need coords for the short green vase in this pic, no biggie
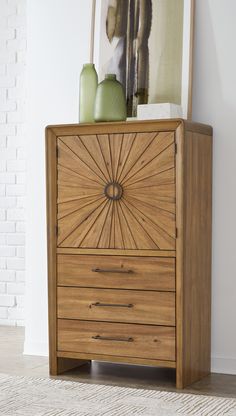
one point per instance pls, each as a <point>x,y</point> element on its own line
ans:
<point>88,89</point>
<point>110,103</point>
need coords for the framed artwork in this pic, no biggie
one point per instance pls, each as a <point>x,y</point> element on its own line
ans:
<point>148,45</point>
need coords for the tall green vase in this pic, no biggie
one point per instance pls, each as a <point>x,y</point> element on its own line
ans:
<point>110,103</point>
<point>88,89</point>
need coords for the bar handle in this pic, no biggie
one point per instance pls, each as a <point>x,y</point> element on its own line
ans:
<point>126,271</point>
<point>113,305</point>
<point>100,338</point>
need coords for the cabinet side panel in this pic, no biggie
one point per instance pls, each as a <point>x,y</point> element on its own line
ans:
<point>179,137</point>
<point>51,182</point>
<point>197,256</point>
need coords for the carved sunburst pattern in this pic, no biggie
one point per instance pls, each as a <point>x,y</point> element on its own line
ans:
<point>117,191</point>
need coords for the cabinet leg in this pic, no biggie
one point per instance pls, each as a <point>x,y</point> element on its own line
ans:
<point>179,384</point>
<point>179,378</point>
<point>60,365</point>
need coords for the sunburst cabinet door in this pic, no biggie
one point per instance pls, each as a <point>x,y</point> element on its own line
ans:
<point>117,191</point>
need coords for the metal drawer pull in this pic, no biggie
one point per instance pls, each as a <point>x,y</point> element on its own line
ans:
<point>130,339</point>
<point>113,305</point>
<point>97,270</point>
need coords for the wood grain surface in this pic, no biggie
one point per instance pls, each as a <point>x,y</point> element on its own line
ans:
<point>194,341</point>
<point>141,215</point>
<point>120,272</point>
<point>134,306</point>
<point>150,342</point>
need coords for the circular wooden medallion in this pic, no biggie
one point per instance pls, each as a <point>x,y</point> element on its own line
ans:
<point>113,191</point>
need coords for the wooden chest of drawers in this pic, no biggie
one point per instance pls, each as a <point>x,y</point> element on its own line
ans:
<point>129,245</point>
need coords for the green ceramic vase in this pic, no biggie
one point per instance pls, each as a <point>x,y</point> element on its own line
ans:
<point>110,103</point>
<point>88,89</point>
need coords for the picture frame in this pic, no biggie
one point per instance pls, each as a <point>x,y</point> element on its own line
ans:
<point>159,99</point>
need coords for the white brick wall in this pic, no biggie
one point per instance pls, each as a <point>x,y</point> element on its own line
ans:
<point>12,160</point>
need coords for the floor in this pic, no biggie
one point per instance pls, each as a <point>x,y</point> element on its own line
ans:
<point>12,361</point>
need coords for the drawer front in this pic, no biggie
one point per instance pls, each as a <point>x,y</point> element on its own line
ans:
<point>157,308</point>
<point>117,191</point>
<point>125,340</point>
<point>121,272</point>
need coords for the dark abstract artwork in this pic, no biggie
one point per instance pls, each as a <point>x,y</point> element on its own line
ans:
<point>130,21</point>
<point>141,42</point>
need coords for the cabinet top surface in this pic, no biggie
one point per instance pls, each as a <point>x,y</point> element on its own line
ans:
<point>129,126</point>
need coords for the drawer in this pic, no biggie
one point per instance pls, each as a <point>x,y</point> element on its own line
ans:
<point>127,340</point>
<point>121,272</point>
<point>134,306</point>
